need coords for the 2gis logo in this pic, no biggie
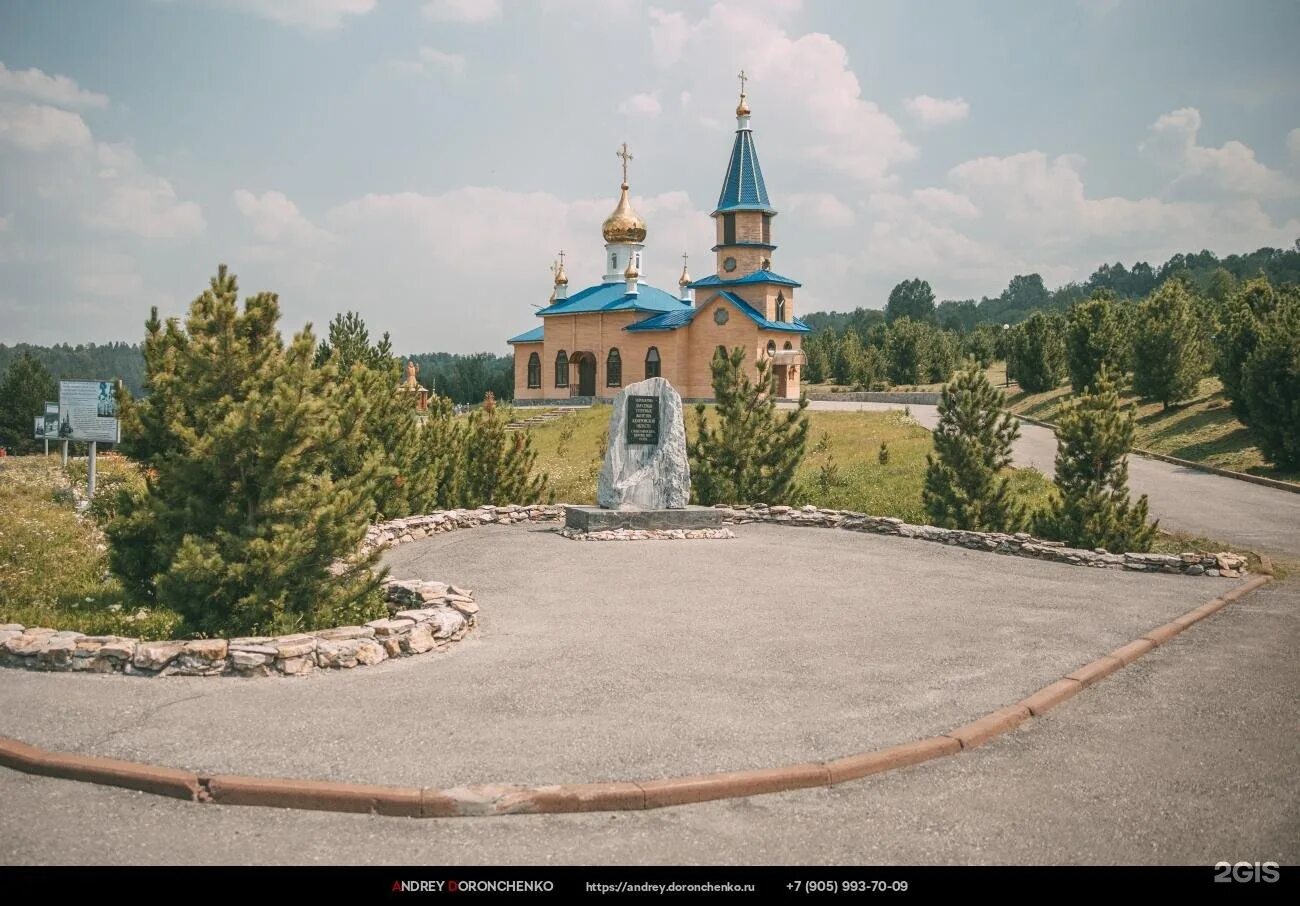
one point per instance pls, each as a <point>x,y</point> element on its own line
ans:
<point>1246,872</point>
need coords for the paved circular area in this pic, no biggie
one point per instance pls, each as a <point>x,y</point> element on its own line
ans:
<point>1188,756</point>
<point>625,660</point>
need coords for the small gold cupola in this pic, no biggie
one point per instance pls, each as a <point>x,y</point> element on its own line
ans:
<point>624,225</point>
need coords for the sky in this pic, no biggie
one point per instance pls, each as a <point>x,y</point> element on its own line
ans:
<point>422,162</point>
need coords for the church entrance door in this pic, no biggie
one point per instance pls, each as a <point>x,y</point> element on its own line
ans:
<point>782,387</point>
<point>587,376</point>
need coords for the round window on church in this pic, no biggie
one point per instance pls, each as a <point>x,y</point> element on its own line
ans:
<point>720,316</point>
<point>729,265</point>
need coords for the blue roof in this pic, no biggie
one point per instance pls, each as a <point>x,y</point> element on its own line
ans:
<point>675,319</point>
<point>755,277</point>
<point>615,297</point>
<point>528,336</point>
<point>743,188</point>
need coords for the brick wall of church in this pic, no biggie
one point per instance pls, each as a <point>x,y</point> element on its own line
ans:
<point>684,354</point>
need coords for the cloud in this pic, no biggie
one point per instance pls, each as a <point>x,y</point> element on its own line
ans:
<point>1024,213</point>
<point>1230,168</point>
<point>820,210</point>
<point>643,104</point>
<point>57,89</point>
<point>104,186</point>
<point>447,278</point>
<point>804,83</point>
<point>131,199</point>
<point>107,274</point>
<point>451,63</point>
<point>312,15</point>
<point>274,218</point>
<point>1293,145</point>
<point>36,127</point>
<point>470,12</point>
<point>931,111</point>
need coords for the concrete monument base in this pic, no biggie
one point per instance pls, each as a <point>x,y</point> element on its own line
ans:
<point>596,519</point>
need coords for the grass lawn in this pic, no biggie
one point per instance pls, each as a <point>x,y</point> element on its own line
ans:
<point>53,561</point>
<point>1202,430</point>
<point>841,470</point>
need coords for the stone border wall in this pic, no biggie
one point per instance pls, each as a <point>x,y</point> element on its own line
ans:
<point>914,397</point>
<point>1226,564</point>
<point>425,616</point>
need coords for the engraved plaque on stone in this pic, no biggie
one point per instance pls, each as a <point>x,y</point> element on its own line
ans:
<point>642,420</point>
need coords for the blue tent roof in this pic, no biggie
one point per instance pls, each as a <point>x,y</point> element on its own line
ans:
<point>675,319</point>
<point>743,188</point>
<point>615,297</point>
<point>528,336</point>
<point>755,277</point>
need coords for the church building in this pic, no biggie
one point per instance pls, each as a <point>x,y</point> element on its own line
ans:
<point>623,330</point>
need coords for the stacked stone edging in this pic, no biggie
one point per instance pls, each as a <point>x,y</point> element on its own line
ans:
<point>423,616</point>
<point>1199,563</point>
<point>622,534</point>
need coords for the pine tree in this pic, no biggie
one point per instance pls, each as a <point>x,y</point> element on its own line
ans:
<point>1247,307</point>
<point>379,420</point>
<point>964,487</point>
<point>24,390</point>
<point>751,451</point>
<point>439,459</point>
<point>498,462</point>
<point>1036,353</point>
<point>1271,385</point>
<point>240,524</point>
<point>907,351</point>
<point>1092,507</point>
<point>1169,356</point>
<point>1093,340</point>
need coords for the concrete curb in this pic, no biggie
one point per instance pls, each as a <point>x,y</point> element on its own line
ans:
<point>1186,463</point>
<point>507,799</point>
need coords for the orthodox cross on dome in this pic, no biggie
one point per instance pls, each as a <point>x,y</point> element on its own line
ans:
<point>684,257</point>
<point>623,153</point>
<point>561,259</point>
<point>743,79</point>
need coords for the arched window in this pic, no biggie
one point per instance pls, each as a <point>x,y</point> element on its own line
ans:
<point>613,369</point>
<point>561,369</point>
<point>780,306</point>
<point>771,347</point>
<point>652,362</point>
<point>534,371</point>
<point>788,345</point>
<point>638,260</point>
<point>613,261</point>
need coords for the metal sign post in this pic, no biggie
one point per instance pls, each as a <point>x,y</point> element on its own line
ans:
<point>90,472</point>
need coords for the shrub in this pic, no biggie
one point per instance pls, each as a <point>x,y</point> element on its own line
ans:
<point>240,527</point>
<point>1092,507</point>
<point>752,452</point>
<point>964,487</point>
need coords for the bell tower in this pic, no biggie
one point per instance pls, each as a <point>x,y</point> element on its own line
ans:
<point>743,217</point>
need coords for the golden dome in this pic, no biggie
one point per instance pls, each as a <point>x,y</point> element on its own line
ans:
<point>685,278</point>
<point>742,109</point>
<point>623,225</point>
<point>632,273</point>
<point>561,278</point>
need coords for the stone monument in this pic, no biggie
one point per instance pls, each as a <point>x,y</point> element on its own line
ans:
<point>645,482</point>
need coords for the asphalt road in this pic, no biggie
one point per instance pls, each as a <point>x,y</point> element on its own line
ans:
<point>1188,756</point>
<point>1187,500</point>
